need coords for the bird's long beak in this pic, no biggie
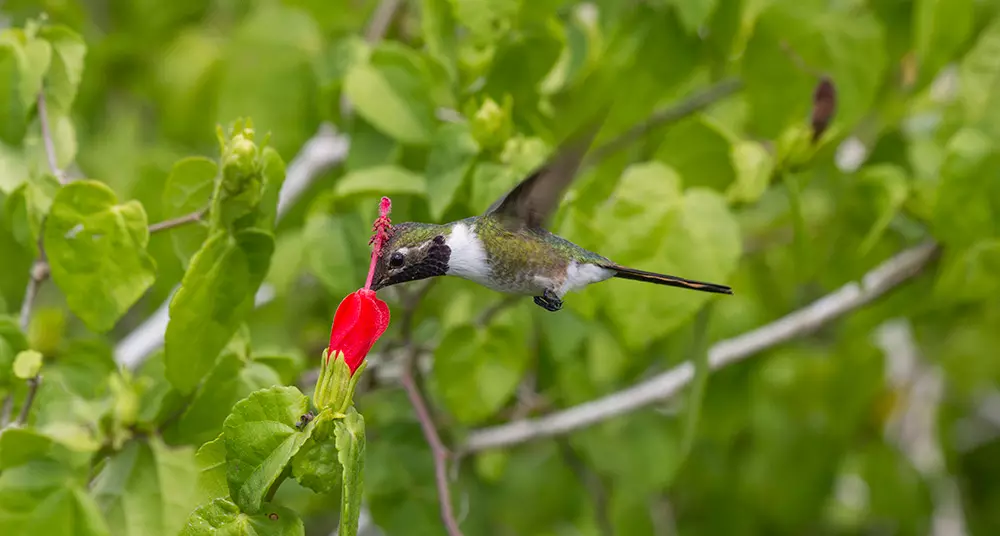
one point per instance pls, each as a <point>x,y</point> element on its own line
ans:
<point>380,279</point>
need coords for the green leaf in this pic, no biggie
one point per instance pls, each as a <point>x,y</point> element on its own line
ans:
<point>13,108</point>
<point>393,99</point>
<point>381,180</point>
<point>66,71</point>
<point>486,20</point>
<point>979,78</point>
<point>222,518</point>
<point>940,27</point>
<point>970,274</point>
<point>273,171</point>
<point>350,438</point>
<point>216,294</point>
<point>10,331</point>
<point>13,167</point>
<point>826,40</point>
<point>437,25</point>
<point>694,13</point>
<point>753,165</point>
<point>45,497</point>
<point>330,241</point>
<point>97,252</point>
<point>887,187</point>
<point>316,465</point>
<point>968,208</point>
<point>699,150</point>
<point>230,381</point>
<point>652,444</point>
<point>27,364</point>
<point>262,436</point>
<point>6,362</point>
<point>691,235</point>
<point>189,189</point>
<point>453,151</point>
<point>211,460</point>
<point>27,206</point>
<point>145,489</point>
<point>20,446</point>
<point>477,370</point>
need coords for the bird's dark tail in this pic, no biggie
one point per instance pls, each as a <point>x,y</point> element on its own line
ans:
<point>669,280</point>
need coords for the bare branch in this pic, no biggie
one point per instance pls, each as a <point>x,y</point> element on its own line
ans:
<point>39,273</point>
<point>33,384</point>
<point>440,452</point>
<point>694,103</point>
<point>47,140</point>
<point>40,269</point>
<point>178,221</point>
<point>7,411</point>
<point>851,296</point>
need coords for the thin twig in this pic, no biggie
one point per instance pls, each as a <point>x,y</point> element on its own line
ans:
<point>47,140</point>
<point>178,221</point>
<point>380,20</point>
<point>440,452</point>
<point>851,296</point>
<point>40,269</point>
<point>408,379</point>
<point>8,410</point>
<point>29,399</point>
<point>694,103</point>
<point>39,273</point>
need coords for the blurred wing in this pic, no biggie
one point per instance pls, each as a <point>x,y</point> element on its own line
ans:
<point>536,198</point>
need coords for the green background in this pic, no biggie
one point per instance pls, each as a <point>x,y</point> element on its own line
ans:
<point>884,421</point>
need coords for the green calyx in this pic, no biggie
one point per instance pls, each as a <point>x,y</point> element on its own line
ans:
<point>335,386</point>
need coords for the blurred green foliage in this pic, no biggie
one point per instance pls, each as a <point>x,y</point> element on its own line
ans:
<point>458,102</point>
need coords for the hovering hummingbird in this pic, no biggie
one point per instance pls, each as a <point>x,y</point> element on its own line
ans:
<point>508,249</point>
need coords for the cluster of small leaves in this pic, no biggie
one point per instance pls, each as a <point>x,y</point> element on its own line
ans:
<point>112,451</point>
<point>759,191</point>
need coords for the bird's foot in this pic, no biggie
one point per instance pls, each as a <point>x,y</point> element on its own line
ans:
<point>549,301</point>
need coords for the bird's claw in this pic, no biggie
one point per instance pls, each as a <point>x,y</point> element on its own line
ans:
<point>549,301</point>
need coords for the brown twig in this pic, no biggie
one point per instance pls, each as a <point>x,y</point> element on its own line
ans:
<point>427,426</point>
<point>440,452</point>
<point>178,221</point>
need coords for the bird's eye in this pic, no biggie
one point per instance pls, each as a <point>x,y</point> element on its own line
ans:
<point>396,260</point>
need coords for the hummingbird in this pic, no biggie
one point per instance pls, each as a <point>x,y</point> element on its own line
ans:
<point>508,249</point>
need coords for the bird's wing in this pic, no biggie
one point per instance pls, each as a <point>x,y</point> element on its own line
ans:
<point>536,198</point>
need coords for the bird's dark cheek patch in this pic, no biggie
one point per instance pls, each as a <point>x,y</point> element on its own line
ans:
<point>434,264</point>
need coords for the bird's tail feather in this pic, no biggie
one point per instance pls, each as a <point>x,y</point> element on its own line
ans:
<point>669,280</point>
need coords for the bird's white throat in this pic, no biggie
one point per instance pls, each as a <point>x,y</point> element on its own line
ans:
<point>468,256</point>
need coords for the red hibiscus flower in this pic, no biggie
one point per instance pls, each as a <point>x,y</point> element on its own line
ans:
<point>361,317</point>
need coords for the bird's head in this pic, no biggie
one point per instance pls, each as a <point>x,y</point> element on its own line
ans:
<point>414,251</point>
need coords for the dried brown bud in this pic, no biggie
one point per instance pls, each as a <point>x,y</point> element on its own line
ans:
<point>824,106</point>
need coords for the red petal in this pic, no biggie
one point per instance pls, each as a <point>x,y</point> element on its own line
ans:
<point>344,321</point>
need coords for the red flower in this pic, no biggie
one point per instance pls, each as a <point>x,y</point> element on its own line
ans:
<point>360,320</point>
<point>361,317</point>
